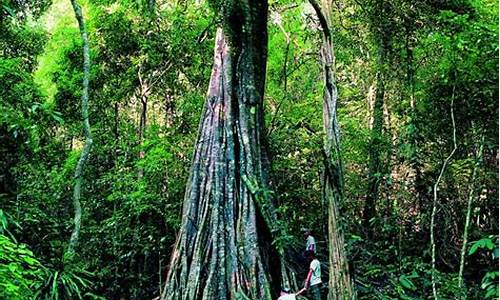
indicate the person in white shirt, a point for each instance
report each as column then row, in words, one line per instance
column 310, row 241
column 286, row 295
column 313, row 280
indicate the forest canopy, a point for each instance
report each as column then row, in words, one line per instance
column 179, row 149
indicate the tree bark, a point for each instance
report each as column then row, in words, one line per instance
column 380, row 16
column 88, row 135
column 375, row 143
column 169, row 107
column 415, row 164
column 340, row 287
column 142, row 95
column 222, row 250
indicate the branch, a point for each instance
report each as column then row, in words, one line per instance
column 321, row 18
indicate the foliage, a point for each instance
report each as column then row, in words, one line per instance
column 70, row 283
column 489, row 283
column 20, row 272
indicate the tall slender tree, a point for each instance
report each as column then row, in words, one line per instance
column 224, row 245
column 381, row 28
column 78, row 179
column 435, row 195
column 410, row 42
column 470, row 198
column 333, row 179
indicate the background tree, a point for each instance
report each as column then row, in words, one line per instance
column 86, row 129
column 333, row 178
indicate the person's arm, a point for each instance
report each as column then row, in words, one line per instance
column 308, row 279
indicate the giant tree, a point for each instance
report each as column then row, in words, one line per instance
column 223, row 250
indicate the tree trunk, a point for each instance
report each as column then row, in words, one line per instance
column 375, row 144
column 143, row 122
column 435, row 198
column 142, row 95
column 339, row 280
column 222, row 250
column 415, row 165
column 88, row 135
column 151, row 5
column 470, row 198
column 169, row 107
column 116, row 130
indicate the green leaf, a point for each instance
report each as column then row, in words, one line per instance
column 54, row 292
column 406, row 282
column 475, row 246
column 492, row 293
column 9, row 10
column 486, row 243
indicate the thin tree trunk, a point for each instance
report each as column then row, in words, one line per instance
column 143, row 121
column 169, row 107
column 117, row 124
column 375, row 144
column 228, row 220
column 88, row 135
column 151, row 5
column 470, row 198
column 380, row 26
column 434, row 202
column 142, row 129
column 142, row 95
column 340, row 287
column 415, row 165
